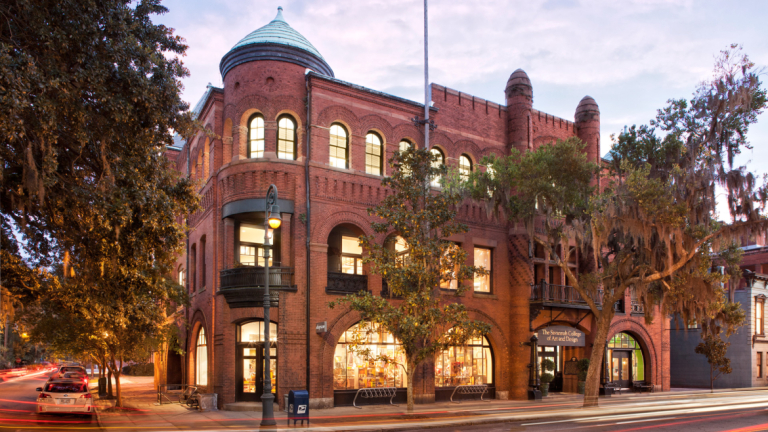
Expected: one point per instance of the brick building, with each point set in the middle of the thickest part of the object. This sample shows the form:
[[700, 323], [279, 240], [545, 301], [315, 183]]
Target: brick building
[[282, 118]]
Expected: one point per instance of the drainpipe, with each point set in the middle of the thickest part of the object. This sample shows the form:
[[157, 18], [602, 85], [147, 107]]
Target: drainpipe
[[308, 127], [186, 309]]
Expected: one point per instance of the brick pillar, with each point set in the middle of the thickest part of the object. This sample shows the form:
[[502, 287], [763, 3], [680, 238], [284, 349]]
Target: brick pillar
[[286, 241], [227, 154], [270, 139], [229, 243], [240, 144], [520, 277]]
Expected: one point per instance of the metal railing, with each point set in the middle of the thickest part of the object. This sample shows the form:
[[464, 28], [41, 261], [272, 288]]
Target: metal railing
[[253, 277], [471, 389], [380, 392], [345, 283], [551, 293]]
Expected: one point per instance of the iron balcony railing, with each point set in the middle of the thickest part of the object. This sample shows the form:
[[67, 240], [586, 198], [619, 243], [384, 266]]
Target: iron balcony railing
[[345, 283], [561, 294], [244, 286]]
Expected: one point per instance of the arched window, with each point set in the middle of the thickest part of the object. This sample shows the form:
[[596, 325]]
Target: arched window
[[373, 154], [201, 359], [626, 360], [256, 136], [471, 363], [182, 276], [405, 145], [352, 371], [440, 161], [339, 150], [465, 167], [286, 138]]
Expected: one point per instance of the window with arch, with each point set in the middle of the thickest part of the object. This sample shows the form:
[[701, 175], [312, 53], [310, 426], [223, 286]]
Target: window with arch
[[405, 145], [339, 150], [373, 154], [352, 371], [440, 161], [469, 364], [625, 343], [256, 136], [201, 358], [182, 276], [286, 138], [465, 167]]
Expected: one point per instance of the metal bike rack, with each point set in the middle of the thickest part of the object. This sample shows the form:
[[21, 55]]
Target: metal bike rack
[[480, 389], [380, 392]]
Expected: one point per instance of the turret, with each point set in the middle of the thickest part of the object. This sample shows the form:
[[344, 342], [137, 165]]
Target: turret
[[519, 94], [587, 121]]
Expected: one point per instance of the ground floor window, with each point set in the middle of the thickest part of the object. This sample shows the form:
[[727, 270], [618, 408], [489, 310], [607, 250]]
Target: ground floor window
[[352, 371], [462, 365], [201, 359], [626, 359], [250, 360]]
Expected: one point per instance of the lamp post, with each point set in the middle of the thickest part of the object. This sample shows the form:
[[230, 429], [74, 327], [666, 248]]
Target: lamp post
[[272, 220]]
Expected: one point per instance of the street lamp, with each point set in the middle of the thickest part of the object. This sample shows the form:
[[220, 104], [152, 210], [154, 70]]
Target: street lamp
[[272, 220]]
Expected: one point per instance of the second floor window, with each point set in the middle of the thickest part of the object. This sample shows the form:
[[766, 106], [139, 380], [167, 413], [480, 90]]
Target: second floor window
[[438, 162], [451, 282], [759, 328], [351, 256], [465, 167], [339, 149], [256, 137], [286, 138], [251, 247], [372, 154], [483, 259]]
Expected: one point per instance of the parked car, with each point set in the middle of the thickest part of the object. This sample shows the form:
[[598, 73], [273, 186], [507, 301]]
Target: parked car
[[64, 396], [59, 374]]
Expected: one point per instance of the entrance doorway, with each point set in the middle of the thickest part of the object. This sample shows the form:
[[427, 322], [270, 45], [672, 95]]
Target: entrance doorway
[[620, 370], [249, 361]]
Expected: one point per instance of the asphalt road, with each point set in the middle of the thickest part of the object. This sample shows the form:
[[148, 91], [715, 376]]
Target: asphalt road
[[18, 408]]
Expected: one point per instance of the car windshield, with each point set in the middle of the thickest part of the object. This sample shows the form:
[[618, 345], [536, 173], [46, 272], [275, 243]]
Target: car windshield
[[65, 388], [72, 369]]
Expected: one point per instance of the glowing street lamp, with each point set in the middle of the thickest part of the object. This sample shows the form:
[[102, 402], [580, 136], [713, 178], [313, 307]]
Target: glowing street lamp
[[272, 220]]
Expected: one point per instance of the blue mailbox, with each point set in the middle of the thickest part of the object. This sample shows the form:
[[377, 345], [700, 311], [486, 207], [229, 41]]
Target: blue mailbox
[[298, 406]]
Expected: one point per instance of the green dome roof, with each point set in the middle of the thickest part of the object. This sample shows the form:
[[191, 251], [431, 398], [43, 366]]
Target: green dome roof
[[275, 41], [278, 32]]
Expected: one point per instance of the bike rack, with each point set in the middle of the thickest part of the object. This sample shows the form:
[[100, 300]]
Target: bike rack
[[468, 389], [380, 392]]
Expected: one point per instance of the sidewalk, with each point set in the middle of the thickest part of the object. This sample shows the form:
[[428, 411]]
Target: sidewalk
[[142, 413]]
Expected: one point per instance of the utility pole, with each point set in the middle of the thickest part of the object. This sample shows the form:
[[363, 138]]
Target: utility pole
[[426, 79]]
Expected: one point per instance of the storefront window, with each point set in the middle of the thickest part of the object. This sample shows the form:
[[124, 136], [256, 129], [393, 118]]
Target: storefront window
[[250, 355], [254, 332], [462, 365], [618, 345], [351, 370]]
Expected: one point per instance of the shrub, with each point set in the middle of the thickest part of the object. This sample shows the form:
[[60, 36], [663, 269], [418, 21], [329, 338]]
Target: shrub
[[583, 366], [547, 365], [547, 378]]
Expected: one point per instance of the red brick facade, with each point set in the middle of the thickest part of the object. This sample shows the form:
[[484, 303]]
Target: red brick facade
[[228, 177]]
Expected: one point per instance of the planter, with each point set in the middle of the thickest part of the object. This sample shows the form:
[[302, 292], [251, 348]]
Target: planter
[[581, 386], [544, 389]]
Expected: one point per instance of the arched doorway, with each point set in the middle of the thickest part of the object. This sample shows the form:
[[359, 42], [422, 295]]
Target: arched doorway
[[249, 360], [626, 360]]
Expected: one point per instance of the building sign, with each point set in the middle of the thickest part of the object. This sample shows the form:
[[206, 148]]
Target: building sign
[[560, 336], [321, 327]]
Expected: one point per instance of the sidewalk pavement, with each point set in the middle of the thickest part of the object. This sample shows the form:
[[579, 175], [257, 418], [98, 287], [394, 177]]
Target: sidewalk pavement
[[141, 412]]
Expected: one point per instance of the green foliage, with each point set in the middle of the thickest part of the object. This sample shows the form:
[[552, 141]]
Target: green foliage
[[583, 366], [547, 365], [715, 350], [425, 321], [547, 378]]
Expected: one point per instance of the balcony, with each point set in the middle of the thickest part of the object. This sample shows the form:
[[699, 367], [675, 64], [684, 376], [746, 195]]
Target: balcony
[[244, 286], [344, 283], [559, 296]]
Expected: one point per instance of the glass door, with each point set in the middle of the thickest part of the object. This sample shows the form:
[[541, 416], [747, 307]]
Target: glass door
[[621, 372], [249, 374]]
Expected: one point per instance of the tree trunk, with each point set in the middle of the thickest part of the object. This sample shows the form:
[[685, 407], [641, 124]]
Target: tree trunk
[[592, 386], [410, 373]]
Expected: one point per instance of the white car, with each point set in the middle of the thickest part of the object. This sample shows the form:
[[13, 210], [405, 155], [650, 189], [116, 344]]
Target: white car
[[60, 373], [65, 396]]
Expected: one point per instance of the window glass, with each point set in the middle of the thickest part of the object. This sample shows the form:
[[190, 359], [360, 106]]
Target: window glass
[[465, 167], [404, 145], [256, 137], [465, 365], [338, 149], [439, 162], [452, 283], [201, 359], [483, 259], [65, 388], [372, 154], [182, 277], [759, 317], [351, 371], [351, 255], [286, 139], [254, 332], [251, 248]]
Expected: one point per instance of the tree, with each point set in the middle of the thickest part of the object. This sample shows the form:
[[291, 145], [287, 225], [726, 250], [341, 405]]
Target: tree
[[654, 227], [424, 321], [715, 349]]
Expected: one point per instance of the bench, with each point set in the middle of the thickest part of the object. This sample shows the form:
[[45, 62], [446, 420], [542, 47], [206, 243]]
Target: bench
[[641, 386], [380, 392], [615, 386], [472, 389]]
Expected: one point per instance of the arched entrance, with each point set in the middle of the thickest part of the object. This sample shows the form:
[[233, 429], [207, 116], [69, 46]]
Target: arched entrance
[[626, 360], [249, 360]]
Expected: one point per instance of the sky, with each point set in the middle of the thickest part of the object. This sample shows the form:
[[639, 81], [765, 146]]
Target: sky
[[630, 55]]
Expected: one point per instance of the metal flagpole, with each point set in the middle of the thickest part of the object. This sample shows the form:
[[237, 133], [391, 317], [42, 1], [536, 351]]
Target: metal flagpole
[[426, 79]]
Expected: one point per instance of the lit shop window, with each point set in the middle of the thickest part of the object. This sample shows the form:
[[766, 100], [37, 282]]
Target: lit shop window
[[483, 259], [351, 371], [465, 365]]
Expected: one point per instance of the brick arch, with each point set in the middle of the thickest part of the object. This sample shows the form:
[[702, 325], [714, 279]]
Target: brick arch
[[286, 104], [333, 220], [469, 148], [378, 123], [442, 141], [252, 103], [492, 151], [336, 327], [640, 333], [499, 346], [408, 131], [337, 113]]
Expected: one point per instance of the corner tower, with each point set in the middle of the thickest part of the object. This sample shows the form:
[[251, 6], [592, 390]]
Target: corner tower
[[587, 121], [275, 41], [519, 95]]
